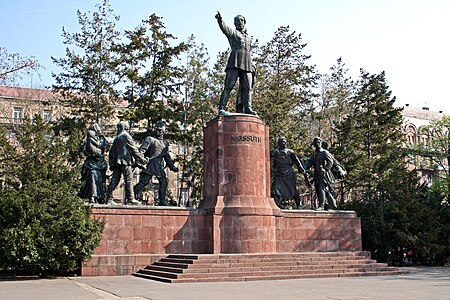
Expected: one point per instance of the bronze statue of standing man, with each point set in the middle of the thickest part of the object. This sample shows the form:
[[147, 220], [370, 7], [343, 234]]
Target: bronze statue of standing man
[[156, 150], [322, 162], [239, 65], [122, 157]]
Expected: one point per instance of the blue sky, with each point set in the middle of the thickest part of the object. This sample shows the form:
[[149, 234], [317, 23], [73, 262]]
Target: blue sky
[[408, 39]]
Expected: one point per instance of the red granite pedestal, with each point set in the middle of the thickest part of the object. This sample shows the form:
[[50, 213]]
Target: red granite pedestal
[[237, 185]]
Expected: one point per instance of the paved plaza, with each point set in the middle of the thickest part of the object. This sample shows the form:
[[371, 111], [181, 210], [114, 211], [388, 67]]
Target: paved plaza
[[420, 283]]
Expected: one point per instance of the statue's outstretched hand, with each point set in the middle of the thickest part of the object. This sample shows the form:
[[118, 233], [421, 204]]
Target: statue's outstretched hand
[[218, 16]]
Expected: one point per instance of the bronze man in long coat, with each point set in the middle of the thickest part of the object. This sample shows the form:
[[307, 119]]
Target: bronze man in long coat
[[239, 65], [284, 184], [93, 171]]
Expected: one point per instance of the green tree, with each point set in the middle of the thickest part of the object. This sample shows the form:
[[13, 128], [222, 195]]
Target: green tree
[[44, 227], [370, 141], [435, 154], [437, 148], [87, 82], [153, 74], [200, 106], [284, 86], [333, 102], [394, 217], [8, 164], [370, 148]]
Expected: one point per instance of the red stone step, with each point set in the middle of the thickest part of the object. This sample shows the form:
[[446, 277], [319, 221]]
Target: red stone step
[[245, 267], [285, 260], [272, 255], [277, 277], [164, 269], [275, 267]]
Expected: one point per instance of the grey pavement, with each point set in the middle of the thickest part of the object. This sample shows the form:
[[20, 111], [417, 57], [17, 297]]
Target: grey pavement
[[420, 283]]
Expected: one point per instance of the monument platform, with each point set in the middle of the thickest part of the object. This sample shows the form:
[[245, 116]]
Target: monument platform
[[237, 226], [135, 237]]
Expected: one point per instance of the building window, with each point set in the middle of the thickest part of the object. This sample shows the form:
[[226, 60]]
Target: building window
[[181, 149], [17, 114], [47, 115], [12, 135], [411, 134]]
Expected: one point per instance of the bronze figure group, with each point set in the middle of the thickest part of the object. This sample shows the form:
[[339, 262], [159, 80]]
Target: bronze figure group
[[326, 169], [124, 157]]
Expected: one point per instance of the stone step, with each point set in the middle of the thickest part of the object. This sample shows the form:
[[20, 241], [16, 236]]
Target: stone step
[[164, 269], [289, 260], [246, 267], [253, 263], [319, 255], [178, 260], [269, 255], [271, 272], [156, 273], [217, 269], [285, 277], [283, 264], [154, 277], [172, 265], [258, 272]]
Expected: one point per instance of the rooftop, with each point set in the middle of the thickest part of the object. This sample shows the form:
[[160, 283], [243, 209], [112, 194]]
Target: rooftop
[[423, 113]]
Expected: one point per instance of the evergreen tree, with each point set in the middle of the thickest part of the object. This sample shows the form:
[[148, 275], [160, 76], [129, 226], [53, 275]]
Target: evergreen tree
[[370, 147], [435, 154], [385, 194], [216, 81], [200, 106], [283, 92], [370, 141], [87, 83], [44, 227], [153, 75], [8, 161]]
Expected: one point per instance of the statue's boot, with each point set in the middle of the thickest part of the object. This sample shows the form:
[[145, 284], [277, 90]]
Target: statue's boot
[[133, 202], [331, 202], [110, 201], [298, 203], [223, 103], [240, 108], [162, 197], [248, 107]]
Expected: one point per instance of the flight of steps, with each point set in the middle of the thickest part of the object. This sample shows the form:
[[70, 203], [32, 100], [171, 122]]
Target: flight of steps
[[245, 267]]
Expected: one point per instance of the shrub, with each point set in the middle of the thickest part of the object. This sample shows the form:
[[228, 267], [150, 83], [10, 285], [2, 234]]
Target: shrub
[[44, 227]]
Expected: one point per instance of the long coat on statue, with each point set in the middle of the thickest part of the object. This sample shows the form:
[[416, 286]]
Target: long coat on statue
[[93, 171], [284, 181]]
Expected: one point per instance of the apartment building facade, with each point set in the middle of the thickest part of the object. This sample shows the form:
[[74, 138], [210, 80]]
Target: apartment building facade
[[417, 132]]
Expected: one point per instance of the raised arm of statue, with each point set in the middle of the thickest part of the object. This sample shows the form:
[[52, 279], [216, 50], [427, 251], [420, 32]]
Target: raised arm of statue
[[227, 30]]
